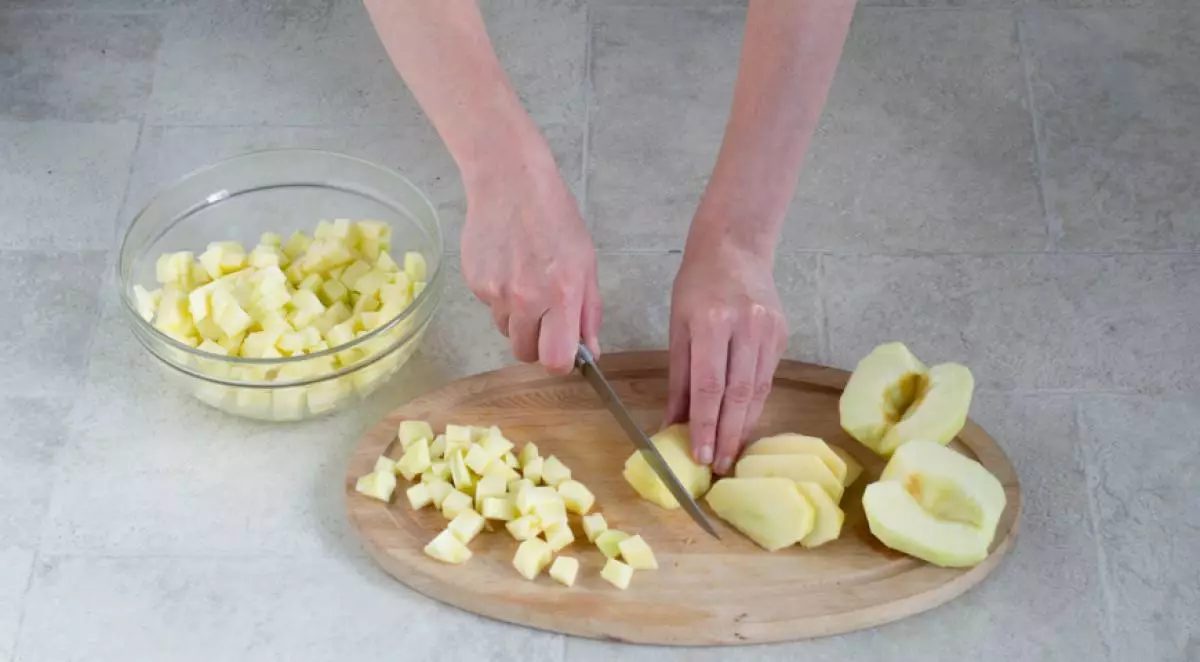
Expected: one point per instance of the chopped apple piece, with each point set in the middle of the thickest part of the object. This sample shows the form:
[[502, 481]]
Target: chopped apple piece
[[550, 512], [466, 525], [459, 473], [829, 518], [608, 542], [939, 411], [798, 444], [796, 467], [881, 388], [594, 525], [385, 464], [637, 553], [533, 470], [415, 460], [528, 452], [769, 511], [616, 573], [411, 431], [853, 468], [414, 265], [515, 486], [674, 443], [554, 471], [419, 496], [477, 458], [448, 549], [458, 437], [510, 461], [455, 503], [533, 555], [438, 491], [523, 527], [559, 535], [377, 485], [493, 486], [528, 498], [579, 499], [499, 468], [494, 442], [899, 521], [564, 570], [499, 508], [437, 469], [437, 449]]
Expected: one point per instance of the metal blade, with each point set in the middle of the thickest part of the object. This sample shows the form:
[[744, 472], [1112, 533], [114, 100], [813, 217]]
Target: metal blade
[[587, 366]]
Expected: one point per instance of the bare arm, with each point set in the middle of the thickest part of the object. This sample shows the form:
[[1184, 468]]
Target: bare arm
[[728, 330]]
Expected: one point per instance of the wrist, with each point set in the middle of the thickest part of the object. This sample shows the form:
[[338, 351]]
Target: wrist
[[722, 227]]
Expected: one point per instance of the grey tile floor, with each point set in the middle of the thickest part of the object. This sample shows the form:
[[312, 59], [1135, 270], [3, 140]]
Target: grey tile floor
[[1014, 185]]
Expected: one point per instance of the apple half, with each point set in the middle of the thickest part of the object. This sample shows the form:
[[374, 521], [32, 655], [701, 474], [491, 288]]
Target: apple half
[[674, 443]]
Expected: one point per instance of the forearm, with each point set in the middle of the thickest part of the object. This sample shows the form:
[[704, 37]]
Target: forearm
[[442, 50], [789, 55]]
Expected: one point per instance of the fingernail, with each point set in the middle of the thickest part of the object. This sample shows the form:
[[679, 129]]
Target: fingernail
[[723, 466], [706, 455]]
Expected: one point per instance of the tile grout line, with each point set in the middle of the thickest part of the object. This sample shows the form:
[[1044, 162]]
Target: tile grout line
[[1052, 222], [33, 566], [825, 351], [1094, 519]]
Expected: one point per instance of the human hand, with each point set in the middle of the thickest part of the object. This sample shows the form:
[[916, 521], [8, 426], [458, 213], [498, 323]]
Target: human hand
[[728, 333], [527, 255]]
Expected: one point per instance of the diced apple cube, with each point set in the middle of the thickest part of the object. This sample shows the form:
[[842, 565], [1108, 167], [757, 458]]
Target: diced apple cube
[[637, 553], [260, 343], [377, 485], [554, 471], [608, 542], [497, 467], [533, 470], [448, 549], [233, 320], [437, 469], [616, 573], [438, 448], [146, 302], [528, 452], [523, 527], [579, 498], [296, 244], [458, 436], [594, 525], [414, 265], [419, 496], [353, 272], [511, 461], [533, 555], [411, 431], [515, 487], [459, 473], [559, 535], [438, 491], [466, 525], [174, 268], [550, 513], [489, 486], [291, 343], [417, 288], [455, 503], [264, 256], [527, 498], [332, 291], [415, 459], [564, 570], [385, 262], [499, 508], [495, 443], [478, 458], [385, 463]]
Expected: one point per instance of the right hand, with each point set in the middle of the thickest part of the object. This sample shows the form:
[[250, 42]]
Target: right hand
[[526, 254]]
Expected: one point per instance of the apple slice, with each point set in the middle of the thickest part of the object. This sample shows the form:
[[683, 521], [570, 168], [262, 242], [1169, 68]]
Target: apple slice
[[798, 444], [899, 521], [674, 443], [829, 517], [769, 511], [939, 411], [948, 485], [853, 468], [883, 385], [796, 467]]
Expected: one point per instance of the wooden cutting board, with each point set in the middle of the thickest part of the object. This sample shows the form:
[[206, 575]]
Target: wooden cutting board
[[705, 591]]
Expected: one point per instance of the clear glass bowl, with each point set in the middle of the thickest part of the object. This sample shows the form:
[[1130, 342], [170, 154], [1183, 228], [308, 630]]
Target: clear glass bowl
[[282, 191]]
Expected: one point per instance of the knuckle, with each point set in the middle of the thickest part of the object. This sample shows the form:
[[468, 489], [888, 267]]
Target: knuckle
[[762, 390], [739, 393], [712, 387]]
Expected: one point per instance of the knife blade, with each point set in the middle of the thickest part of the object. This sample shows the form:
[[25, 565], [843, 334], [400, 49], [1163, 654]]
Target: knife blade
[[586, 364]]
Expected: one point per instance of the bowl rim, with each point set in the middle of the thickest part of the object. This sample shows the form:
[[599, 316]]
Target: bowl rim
[[432, 288]]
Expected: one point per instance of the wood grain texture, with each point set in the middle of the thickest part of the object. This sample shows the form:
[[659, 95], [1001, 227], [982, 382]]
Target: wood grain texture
[[705, 592]]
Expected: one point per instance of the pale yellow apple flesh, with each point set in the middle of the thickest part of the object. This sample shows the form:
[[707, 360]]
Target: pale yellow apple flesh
[[939, 411], [853, 468], [769, 511], [882, 386], [828, 516], [674, 443], [899, 522], [794, 467], [947, 484], [798, 444]]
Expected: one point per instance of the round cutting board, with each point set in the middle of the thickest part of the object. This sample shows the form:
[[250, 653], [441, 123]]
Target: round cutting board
[[706, 591]]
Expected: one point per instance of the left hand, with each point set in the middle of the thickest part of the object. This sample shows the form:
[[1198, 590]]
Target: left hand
[[728, 334]]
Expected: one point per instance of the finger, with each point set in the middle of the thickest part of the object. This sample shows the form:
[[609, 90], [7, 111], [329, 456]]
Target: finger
[[523, 331], [592, 316], [500, 317], [558, 341], [708, 362], [739, 391], [769, 355], [678, 375]]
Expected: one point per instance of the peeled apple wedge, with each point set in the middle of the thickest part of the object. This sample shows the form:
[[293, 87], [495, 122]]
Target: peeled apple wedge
[[829, 517], [939, 411], [882, 386], [798, 468], [936, 505], [798, 444], [769, 511], [674, 443], [853, 468]]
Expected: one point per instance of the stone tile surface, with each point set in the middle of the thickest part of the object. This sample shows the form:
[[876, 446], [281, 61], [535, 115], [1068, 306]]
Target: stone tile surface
[[50, 310], [1120, 322], [1118, 101], [32, 433], [16, 564], [1142, 452], [76, 66], [62, 183]]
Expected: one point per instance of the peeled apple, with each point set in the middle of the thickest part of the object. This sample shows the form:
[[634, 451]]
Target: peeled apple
[[674, 443]]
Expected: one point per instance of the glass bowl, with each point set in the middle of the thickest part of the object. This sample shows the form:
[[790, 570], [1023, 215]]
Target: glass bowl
[[281, 191]]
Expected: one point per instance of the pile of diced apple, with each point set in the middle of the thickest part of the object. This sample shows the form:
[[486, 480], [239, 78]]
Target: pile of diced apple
[[286, 299], [472, 475]]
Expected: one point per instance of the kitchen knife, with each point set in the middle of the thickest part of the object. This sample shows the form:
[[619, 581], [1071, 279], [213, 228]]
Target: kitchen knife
[[587, 367]]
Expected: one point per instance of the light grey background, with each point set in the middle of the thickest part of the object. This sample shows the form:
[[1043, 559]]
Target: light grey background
[[1012, 184]]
